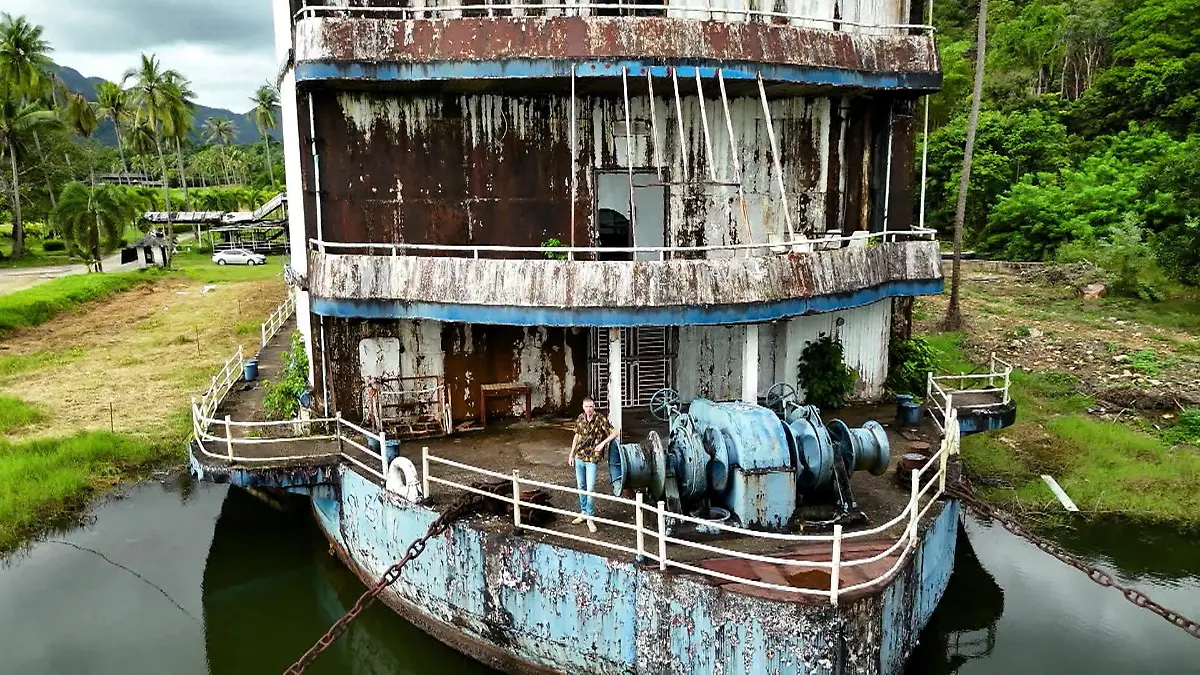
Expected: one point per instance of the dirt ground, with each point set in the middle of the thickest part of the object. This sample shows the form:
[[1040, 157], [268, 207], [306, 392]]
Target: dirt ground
[[145, 352], [1128, 355]]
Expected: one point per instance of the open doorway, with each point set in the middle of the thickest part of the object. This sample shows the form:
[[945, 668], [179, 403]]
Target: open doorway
[[616, 223]]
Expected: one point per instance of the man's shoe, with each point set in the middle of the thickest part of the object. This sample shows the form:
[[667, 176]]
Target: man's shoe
[[577, 520], [591, 526]]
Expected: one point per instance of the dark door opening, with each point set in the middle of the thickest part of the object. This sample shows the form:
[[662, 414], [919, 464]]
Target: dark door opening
[[613, 230]]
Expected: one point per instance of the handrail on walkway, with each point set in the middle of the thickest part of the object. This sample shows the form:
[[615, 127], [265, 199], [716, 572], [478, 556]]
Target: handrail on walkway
[[799, 244], [451, 9], [655, 543]]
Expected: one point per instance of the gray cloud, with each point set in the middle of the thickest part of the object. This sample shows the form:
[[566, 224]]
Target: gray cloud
[[225, 47]]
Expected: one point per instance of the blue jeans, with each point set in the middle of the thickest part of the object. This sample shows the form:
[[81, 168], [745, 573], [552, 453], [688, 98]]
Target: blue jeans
[[585, 479]]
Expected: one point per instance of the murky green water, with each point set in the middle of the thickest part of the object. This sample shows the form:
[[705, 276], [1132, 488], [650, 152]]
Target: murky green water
[[215, 581]]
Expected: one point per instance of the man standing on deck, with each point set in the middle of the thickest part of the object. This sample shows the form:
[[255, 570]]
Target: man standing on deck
[[593, 433]]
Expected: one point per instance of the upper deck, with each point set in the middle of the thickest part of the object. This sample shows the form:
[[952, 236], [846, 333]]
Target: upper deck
[[865, 44]]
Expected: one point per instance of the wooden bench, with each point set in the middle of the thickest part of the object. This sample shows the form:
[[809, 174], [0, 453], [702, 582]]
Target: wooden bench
[[504, 389]]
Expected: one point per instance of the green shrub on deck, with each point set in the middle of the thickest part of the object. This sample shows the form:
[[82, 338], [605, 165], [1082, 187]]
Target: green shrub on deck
[[823, 373], [282, 401], [911, 362]]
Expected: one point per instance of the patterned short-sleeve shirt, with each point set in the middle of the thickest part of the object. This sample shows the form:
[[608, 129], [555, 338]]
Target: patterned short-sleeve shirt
[[591, 432]]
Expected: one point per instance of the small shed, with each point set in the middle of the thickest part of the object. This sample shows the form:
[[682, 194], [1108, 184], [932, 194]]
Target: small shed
[[150, 250]]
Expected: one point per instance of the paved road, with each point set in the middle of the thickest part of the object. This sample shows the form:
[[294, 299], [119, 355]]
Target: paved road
[[19, 278]]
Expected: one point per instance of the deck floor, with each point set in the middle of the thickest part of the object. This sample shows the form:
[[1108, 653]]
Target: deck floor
[[539, 450]]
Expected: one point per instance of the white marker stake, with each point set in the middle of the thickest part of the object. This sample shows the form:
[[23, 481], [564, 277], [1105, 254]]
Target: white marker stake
[[1058, 492]]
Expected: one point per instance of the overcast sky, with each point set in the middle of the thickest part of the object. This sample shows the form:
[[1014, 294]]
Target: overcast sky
[[225, 47]]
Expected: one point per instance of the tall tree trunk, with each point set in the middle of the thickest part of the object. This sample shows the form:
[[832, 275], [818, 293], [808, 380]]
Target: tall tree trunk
[[954, 319], [224, 164], [270, 164], [18, 231], [121, 147], [162, 160], [183, 179], [37, 142], [96, 253]]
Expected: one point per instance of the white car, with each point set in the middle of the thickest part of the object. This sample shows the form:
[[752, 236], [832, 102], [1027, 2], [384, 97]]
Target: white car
[[238, 256]]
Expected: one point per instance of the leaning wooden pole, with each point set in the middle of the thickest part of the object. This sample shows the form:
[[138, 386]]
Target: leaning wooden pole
[[953, 312]]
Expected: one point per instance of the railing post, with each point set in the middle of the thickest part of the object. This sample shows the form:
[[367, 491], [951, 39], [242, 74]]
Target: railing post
[[942, 461], [662, 536], [639, 520], [992, 371], [228, 438], [383, 453], [1007, 384], [425, 472], [912, 503], [263, 333], [337, 420], [836, 567], [517, 499], [929, 385]]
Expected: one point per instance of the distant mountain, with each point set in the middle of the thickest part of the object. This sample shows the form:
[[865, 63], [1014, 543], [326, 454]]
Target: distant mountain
[[242, 122]]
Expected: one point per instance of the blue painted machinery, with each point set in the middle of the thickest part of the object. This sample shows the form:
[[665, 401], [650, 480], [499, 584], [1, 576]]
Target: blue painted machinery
[[756, 462]]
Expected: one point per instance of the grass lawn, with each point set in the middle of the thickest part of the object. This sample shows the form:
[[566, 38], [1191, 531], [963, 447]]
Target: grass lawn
[[1106, 467], [142, 343], [37, 305]]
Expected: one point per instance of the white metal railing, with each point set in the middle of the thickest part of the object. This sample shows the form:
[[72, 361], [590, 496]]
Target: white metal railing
[[928, 484], [221, 383], [282, 313], [801, 244], [451, 9], [940, 390]]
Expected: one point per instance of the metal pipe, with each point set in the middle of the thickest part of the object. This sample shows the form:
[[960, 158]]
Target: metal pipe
[[887, 179], [835, 568], [654, 126], [574, 157], [324, 368], [312, 139], [737, 164], [629, 155], [683, 156], [787, 213], [712, 169]]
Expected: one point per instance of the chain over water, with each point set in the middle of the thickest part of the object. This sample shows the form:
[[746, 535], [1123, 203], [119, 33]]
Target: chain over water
[[964, 494], [459, 509]]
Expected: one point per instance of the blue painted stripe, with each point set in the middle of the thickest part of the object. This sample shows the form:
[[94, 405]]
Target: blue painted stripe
[[689, 315], [503, 69]]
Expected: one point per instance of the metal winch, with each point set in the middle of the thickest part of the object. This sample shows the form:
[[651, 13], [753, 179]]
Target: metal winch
[[752, 460]]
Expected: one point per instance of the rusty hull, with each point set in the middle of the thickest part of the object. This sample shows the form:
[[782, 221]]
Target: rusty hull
[[371, 40]]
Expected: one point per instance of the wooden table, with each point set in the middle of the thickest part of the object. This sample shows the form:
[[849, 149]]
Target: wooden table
[[504, 389]]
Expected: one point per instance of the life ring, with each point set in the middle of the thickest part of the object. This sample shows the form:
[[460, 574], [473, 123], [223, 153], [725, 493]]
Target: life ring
[[402, 479]]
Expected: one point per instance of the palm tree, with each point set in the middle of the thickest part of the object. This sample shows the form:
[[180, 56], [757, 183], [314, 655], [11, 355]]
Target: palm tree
[[152, 94], [266, 101], [179, 121], [92, 219], [24, 57], [24, 79], [20, 120], [953, 319], [220, 130], [113, 105]]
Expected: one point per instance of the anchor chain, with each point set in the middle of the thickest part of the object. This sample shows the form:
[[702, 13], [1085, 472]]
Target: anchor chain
[[463, 507], [963, 493]]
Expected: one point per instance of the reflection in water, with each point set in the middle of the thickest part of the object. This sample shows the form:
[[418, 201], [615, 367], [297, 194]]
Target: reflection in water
[[265, 586], [271, 588], [1050, 618], [964, 625]]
